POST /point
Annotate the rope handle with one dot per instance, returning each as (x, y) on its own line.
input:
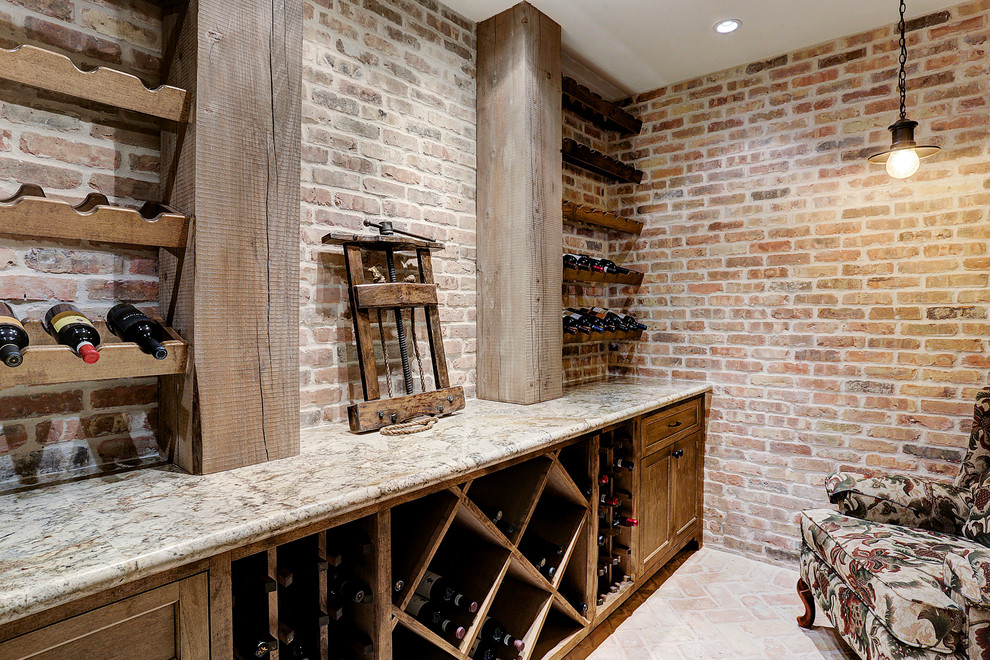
(412, 426)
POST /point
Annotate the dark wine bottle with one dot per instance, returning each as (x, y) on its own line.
(630, 321)
(570, 261)
(625, 521)
(434, 618)
(482, 650)
(493, 630)
(609, 500)
(258, 648)
(13, 338)
(507, 527)
(71, 328)
(623, 464)
(130, 324)
(343, 586)
(437, 588)
(576, 601)
(494, 513)
(612, 267)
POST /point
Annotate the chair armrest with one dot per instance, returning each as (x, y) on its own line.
(901, 500)
(967, 572)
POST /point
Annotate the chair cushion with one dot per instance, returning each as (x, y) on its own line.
(854, 622)
(977, 527)
(895, 571)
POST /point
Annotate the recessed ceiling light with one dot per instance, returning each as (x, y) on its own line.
(728, 25)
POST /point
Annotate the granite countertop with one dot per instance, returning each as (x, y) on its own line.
(65, 541)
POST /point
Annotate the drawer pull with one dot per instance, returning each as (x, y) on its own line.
(674, 424)
(678, 453)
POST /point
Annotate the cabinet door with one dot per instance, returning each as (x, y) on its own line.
(686, 484)
(653, 510)
(170, 622)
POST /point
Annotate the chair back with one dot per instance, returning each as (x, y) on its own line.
(977, 462)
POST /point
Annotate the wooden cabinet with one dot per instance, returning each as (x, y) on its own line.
(686, 485)
(171, 621)
(668, 500)
(488, 532)
(654, 507)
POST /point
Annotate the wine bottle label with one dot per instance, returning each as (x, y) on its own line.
(10, 320)
(416, 604)
(425, 586)
(59, 321)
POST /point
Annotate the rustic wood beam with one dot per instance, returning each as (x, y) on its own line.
(520, 220)
(233, 292)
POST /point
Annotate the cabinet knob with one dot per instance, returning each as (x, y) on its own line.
(673, 424)
(678, 453)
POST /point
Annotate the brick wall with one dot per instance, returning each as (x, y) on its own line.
(841, 315)
(72, 148)
(585, 361)
(388, 134)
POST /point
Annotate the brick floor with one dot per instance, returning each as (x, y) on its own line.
(713, 604)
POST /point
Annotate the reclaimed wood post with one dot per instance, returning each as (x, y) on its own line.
(234, 291)
(520, 218)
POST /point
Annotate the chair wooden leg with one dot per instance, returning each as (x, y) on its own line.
(806, 620)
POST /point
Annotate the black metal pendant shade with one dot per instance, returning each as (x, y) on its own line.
(902, 137)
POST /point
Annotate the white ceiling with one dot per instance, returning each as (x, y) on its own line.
(639, 45)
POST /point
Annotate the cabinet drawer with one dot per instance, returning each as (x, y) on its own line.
(170, 622)
(669, 425)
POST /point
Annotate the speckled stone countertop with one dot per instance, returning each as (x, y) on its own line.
(65, 541)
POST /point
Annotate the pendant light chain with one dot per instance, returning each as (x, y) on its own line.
(902, 75)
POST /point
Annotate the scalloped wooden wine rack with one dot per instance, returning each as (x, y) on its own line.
(103, 85)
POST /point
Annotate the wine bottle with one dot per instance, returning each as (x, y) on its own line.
(431, 616)
(609, 500)
(130, 324)
(576, 601)
(437, 588)
(71, 328)
(13, 337)
(494, 513)
(482, 650)
(625, 521)
(570, 261)
(297, 651)
(612, 267)
(622, 464)
(256, 648)
(343, 586)
(630, 321)
(493, 630)
(508, 528)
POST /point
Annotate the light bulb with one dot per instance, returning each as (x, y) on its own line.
(903, 163)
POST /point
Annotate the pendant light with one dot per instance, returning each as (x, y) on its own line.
(904, 156)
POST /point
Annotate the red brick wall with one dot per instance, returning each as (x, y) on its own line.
(841, 315)
(72, 148)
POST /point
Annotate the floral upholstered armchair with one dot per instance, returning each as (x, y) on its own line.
(903, 569)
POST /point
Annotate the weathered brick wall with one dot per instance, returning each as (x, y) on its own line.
(388, 134)
(72, 148)
(841, 315)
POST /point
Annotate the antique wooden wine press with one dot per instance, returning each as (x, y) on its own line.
(382, 294)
